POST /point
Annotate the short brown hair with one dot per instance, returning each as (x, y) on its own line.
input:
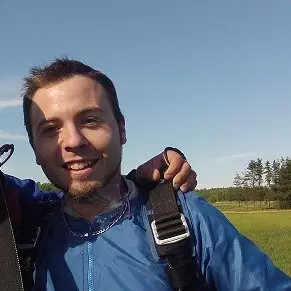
(58, 70)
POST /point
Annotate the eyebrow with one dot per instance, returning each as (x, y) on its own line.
(90, 109)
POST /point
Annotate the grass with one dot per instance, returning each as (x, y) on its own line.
(270, 230)
(244, 206)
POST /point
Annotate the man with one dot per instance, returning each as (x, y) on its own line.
(99, 238)
(21, 194)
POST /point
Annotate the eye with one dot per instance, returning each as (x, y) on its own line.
(91, 121)
(50, 129)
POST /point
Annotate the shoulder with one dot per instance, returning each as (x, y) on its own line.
(211, 229)
(28, 189)
(200, 209)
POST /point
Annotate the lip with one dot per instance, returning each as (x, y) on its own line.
(78, 174)
(78, 161)
(81, 174)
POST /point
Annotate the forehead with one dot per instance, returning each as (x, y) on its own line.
(68, 97)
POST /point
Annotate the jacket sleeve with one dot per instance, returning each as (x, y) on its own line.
(28, 190)
(19, 192)
(229, 260)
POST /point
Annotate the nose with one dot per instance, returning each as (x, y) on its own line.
(73, 138)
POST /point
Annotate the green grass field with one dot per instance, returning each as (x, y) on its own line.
(243, 206)
(270, 230)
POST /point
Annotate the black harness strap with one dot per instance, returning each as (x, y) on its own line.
(19, 247)
(30, 235)
(172, 238)
(10, 274)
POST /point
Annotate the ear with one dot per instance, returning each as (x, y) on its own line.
(122, 131)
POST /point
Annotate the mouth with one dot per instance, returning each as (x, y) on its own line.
(79, 165)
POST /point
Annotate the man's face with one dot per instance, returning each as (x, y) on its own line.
(76, 138)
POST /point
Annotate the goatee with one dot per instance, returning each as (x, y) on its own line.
(95, 193)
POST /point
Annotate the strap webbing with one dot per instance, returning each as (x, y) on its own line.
(10, 274)
(182, 268)
(165, 211)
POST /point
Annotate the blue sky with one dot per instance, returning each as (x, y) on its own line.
(210, 77)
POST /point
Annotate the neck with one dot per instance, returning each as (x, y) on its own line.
(106, 199)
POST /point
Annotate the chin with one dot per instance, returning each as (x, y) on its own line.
(83, 189)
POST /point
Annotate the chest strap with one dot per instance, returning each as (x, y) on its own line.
(10, 274)
(172, 237)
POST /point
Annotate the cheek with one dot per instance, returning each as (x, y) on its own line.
(105, 138)
(39, 157)
(104, 141)
(45, 151)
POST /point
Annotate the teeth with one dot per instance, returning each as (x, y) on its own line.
(80, 165)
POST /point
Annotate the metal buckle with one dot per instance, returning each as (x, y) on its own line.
(26, 246)
(172, 239)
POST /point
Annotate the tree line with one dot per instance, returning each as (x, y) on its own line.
(268, 181)
(47, 187)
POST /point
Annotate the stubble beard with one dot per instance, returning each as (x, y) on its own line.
(91, 191)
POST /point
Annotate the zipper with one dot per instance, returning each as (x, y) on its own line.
(90, 266)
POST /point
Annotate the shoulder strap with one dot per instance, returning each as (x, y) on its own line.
(30, 235)
(172, 237)
(10, 274)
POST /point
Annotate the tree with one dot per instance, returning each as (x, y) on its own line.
(284, 183)
(238, 183)
(275, 171)
(259, 171)
(47, 187)
(251, 173)
(268, 173)
(238, 180)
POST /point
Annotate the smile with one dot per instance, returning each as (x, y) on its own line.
(80, 165)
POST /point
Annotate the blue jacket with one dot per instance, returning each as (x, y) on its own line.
(123, 257)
